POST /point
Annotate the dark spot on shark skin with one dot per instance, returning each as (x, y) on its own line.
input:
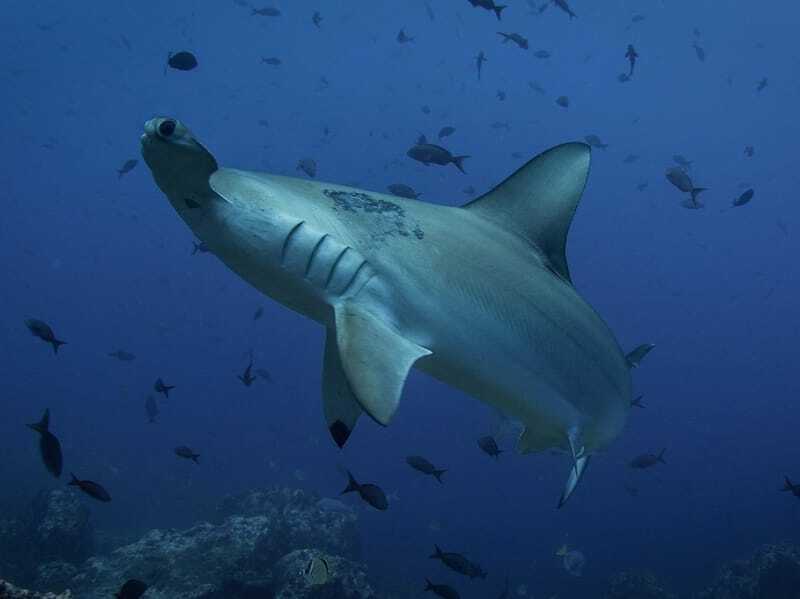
(391, 218)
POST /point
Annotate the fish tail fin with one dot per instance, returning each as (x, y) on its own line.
(352, 484)
(459, 162)
(497, 455)
(74, 482)
(196, 458)
(505, 36)
(56, 344)
(498, 10)
(787, 484)
(438, 474)
(661, 456)
(44, 424)
(428, 585)
(696, 191)
(437, 553)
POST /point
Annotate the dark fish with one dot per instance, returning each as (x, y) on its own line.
(272, 60)
(308, 166)
(127, 167)
(187, 453)
(458, 563)
(151, 408)
(429, 154)
(264, 374)
(266, 12)
(425, 109)
(631, 55)
(182, 61)
(642, 186)
(744, 198)
(316, 18)
(792, 488)
(680, 179)
(749, 151)
(637, 18)
(200, 248)
(542, 54)
(479, 60)
(442, 590)
(631, 158)
(402, 38)
(489, 446)
(514, 37)
(247, 377)
(92, 489)
(370, 493)
(489, 5)
(562, 4)
(424, 466)
(403, 191)
(259, 313)
(49, 446)
(563, 101)
(446, 132)
(161, 387)
(699, 52)
(133, 589)
(595, 142)
(634, 357)
(646, 460)
(122, 355)
(501, 95)
(43, 331)
(637, 402)
(762, 85)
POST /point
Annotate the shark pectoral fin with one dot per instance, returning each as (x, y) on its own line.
(575, 474)
(375, 358)
(340, 406)
(540, 199)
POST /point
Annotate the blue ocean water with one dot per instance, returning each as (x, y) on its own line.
(107, 263)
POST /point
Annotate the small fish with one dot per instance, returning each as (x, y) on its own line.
(49, 445)
(501, 95)
(442, 590)
(429, 154)
(42, 330)
(469, 190)
(316, 18)
(160, 387)
(403, 191)
(680, 179)
(749, 151)
(122, 355)
(151, 409)
(637, 18)
(272, 60)
(479, 60)
(647, 460)
(631, 158)
(563, 101)
(489, 5)
(536, 86)
(425, 109)
(595, 142)
(789, 486)
(247, 378)
(132, 589)
(446, 132)
(744, 198)
(371, 494)
(200, 248)
(514, 37)
(182, 61)
(316, 572)
(127, 167)
(562, 4)
(642, 186)
(187, 454)
(421, 464)
(489, 446)
(762, 85)
(631, 55)
(266, 12)
(458, 563)
(637, 402)
(542, 54)
(402, 38)
(699, 52)
(92, 489)
(258, 313)
(308, 166)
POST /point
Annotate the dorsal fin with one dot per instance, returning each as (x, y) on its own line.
(539, 200)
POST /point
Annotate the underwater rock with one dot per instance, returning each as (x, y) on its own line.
(636, 585)
(772, 573)
(9, 591)
(59, 527)
(16, 559)
(54, 576)
(345, 579)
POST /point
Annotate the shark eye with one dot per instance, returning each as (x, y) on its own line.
(166, 128)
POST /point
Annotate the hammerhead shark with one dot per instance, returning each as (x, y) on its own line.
(479, 296)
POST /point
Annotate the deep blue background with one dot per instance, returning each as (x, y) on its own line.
(107, 262)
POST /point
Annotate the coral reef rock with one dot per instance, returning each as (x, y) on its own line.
(9, 591)
(636, 585)
(772, 573)
(59, 527)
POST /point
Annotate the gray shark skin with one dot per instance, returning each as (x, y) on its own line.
(479, 297)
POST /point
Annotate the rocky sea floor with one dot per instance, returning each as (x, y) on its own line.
(257, 545)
